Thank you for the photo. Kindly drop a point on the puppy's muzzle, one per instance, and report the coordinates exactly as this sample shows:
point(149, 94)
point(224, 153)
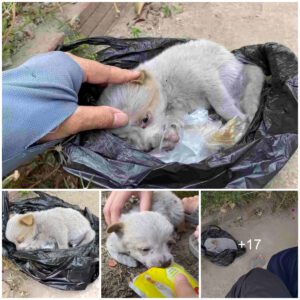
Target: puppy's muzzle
point(166, 263)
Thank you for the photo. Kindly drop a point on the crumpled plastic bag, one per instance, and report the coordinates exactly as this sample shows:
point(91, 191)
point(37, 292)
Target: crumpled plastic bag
point(219, 246)
point(269, 142)
point(68, 269)
point(200, 137)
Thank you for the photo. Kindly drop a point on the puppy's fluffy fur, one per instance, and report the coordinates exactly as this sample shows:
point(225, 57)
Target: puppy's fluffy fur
point(54, 228)
point(197, 74)
point(145, 237)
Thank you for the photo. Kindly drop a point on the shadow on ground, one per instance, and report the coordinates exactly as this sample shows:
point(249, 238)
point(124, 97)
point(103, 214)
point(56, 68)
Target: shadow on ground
point(269, 216)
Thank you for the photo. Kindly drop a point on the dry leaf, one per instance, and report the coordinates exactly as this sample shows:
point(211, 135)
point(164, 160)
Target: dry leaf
point(138, 7)
point(223, 210)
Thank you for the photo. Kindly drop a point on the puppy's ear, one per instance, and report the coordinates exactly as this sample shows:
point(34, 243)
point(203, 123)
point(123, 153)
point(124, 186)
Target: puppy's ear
point(117, 228)
point(142, 78)
point(27, 220)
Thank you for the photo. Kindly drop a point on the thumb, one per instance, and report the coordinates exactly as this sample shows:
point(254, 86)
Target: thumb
point(88, 118)
point(99, 117)
point(183, 289)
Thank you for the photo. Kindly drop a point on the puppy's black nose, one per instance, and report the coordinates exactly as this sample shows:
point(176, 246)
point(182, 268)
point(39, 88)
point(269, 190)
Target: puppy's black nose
point(166, 263)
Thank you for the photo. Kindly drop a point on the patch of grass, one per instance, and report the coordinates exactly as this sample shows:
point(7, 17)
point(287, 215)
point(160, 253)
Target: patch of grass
point(45, 171)
point(176, 9)
point(85, 51)
point(24, 193)
point(169, 11)
point(284, 200)
point(135, 31)
point(212, 201)
point(166, 10)
point(18, 23)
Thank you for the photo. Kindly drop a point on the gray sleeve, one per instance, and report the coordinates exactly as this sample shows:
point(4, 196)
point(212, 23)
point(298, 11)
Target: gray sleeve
point(37, 97)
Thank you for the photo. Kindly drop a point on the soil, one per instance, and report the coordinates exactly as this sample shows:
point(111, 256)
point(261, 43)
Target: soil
point(115, 280)
point(233, 25)
point(262, 219)
point(16, 284)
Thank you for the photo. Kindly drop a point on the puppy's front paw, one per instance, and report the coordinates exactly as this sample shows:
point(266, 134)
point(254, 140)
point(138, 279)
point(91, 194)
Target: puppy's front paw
point(171, 138)
point(128, 261)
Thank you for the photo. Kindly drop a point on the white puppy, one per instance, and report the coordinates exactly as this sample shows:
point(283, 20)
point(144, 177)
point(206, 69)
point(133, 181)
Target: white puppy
point(54, 228)
point(145, 237)
point(197, 74)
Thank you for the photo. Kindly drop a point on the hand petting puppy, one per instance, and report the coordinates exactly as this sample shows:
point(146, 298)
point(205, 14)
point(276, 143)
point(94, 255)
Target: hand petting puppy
point(117, 199)
point(89, 117)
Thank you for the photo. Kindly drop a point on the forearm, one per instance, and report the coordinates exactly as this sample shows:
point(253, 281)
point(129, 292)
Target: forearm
point(37, 97)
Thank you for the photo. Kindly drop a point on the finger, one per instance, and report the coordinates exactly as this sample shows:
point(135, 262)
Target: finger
point(145, 200)
point(88, 118)
point(98, 117)
point(107, 208)
point(183, 289)
point(117, 75)
point(97, 73)
point(118, 204)
point(196, 233)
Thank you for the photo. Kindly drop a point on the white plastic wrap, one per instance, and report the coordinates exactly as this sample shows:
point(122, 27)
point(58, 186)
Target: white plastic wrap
point(201, 137)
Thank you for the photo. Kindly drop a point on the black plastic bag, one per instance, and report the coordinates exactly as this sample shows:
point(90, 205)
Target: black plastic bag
point(225, 257)
point(270, 141)
point(70, 269)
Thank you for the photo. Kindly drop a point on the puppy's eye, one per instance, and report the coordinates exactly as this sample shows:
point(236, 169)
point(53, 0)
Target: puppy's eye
point(145, 250)
point(144, 122)
point(170, 243)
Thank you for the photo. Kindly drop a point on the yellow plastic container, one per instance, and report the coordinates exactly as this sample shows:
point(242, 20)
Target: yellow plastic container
point(159, 282)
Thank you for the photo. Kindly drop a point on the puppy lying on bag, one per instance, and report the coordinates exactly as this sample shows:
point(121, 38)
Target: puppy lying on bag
point(59, 227)
point(183, 78)
point(145, 237)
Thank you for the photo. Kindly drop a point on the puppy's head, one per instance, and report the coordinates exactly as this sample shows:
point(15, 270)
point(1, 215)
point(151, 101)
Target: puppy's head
point(146, 236)
point(142, 101)
point(21, 230)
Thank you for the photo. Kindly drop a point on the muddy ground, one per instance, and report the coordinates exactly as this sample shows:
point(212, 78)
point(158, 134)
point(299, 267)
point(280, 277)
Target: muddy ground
point(115, 280)
point(16, 284)
point(267, 217)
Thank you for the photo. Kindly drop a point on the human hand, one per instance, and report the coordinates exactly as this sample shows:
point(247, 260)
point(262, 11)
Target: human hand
point(94, 117)
point(196, 233)
point(183, 289)
point(190, 204)
point(117, 199)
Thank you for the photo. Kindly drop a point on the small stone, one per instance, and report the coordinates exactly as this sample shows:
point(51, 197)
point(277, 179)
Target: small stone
point(29, 30)
point(232, 205)
point(75, 21)
point(112, 263)
point(223, 210)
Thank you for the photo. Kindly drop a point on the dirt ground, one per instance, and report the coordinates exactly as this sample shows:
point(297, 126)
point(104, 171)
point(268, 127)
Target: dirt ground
point(262, 219)
point(16, 284)
point(115, 280)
